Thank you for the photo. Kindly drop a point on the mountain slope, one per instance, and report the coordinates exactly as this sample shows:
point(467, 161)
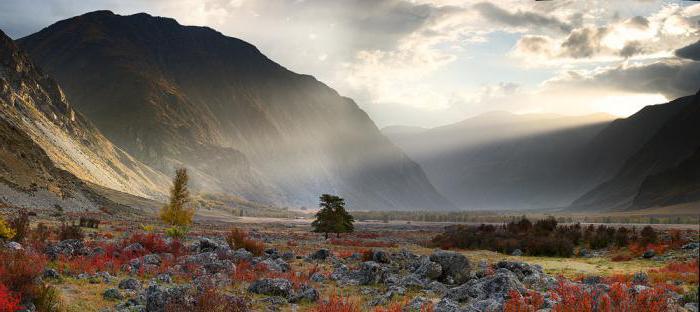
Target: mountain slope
point(500, 160)
point(175, 95)
point(47, 148)
point(675, 140)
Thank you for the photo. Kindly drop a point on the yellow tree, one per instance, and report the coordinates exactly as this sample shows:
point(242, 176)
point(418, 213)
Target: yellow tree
point(176, 211)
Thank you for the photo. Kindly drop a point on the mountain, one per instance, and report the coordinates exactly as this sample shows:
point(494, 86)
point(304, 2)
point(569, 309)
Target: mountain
point(501, 160)
point(173, 95)
point(660, 171)
point(51, 156)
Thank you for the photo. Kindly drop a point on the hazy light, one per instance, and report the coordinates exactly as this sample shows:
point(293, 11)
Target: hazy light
point(626, 105)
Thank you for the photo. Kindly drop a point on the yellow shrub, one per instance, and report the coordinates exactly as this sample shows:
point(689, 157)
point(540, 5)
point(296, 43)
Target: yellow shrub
point(6, 232)
point(147, 228)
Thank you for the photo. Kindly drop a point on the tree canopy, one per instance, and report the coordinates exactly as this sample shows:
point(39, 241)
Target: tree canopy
point(176, 212)
point(332, 217)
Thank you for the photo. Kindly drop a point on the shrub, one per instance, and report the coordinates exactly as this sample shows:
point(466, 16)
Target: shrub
point(648, 235)
point(237, 238)
point(337, 304)
point(89, 222)
point(9, 302)
point(210, 300)
point(147, 227)
point(21, 226)
point(19, 271)
point(519, 303)
point(48, 298)
point(70, 232)
point(6, 232)
point(176, 231)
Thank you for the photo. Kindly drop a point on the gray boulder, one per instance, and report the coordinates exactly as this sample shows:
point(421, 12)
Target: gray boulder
point(51, 274)
point(151, 259)
point(380, 256)
point(649, 254)
point(242, 255)
point(306, 293)
point(159, 298)
point(321, 254)
point(112, 294)
point(130, 283)
point(13, 246)
point(427, 269)
point(417, 304)
point(135, 247)
point(277, 265)
point(455, 266)
point(447, 305)
point(495, 286)
point(517, 253)
point(272, 287)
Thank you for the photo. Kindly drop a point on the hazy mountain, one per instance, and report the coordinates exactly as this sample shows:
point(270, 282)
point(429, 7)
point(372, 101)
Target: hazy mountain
point(174, 95)
point(501, 160)
point(46, 147)
point(658, 171)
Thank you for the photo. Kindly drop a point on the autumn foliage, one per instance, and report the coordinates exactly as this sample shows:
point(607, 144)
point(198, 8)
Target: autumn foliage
point(237, 238)
point(336, 303)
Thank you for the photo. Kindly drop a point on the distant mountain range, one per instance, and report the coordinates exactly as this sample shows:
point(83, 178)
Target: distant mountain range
point(172, 95)
point(504, 161)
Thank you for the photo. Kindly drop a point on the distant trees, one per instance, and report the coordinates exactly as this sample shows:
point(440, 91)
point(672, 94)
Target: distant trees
point(176, 212)
point(332, 217)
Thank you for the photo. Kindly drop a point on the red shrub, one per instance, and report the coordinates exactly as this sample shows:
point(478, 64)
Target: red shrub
point(676, 271)
point(517, 303)
point(337, 304)
point(572, 298)
point(344, 253)
point(621, 258)
point(237, 238)
point(247, 272)
point(151, 241)
point(9, 302)
point(19, 269)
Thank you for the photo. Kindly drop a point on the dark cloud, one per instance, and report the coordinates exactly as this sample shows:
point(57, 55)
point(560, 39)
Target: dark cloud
point(520, 18)
point(530, 44)
point(632, 48)
point(584, 42)
point(672, 78)
point(691, 52)
point(639, 22)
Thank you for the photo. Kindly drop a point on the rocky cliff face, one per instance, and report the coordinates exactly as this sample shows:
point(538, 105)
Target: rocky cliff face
point(45, 144)
point(174, 95)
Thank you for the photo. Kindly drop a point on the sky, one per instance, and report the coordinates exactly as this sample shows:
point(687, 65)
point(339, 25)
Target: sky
point(433, 62)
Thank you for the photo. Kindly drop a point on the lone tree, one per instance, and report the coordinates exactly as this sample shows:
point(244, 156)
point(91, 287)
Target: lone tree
point(175, 212)
point(332, 218)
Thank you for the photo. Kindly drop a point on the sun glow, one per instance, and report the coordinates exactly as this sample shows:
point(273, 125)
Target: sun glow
point(628, 104)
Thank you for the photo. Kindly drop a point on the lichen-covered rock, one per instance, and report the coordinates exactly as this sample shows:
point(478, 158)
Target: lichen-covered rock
point(495, 286)
point(130, 283)
point(51, 274)
point(152, 259)
point(13, 246)
point(317, 277)
point(135, 247)
point(158, 298)
point(455, 266)
point(272, 287)
point(112, 294)
point(447, 305)
point(242, 255)
point(69, 247)
point(277, 265)
point(417, 304)
point(306, 293)
point(427, 269)
point(380, 256)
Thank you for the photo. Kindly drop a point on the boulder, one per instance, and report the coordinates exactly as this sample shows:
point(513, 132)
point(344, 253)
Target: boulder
point(495, 286)
point(455, 266)
point(130, 283)
point(158, 298)
point(321, 254)
point(242, 255)
point(317, 277)
point(517, 253)
point(417, 304)
point(306, 293)
point(135, 247)
point(112, 294)
point(51, 274)
point(277, 265)
point(380, 256)
point(427, 269)
point(69, 247)
point(152, 259)
point(13, 246)
point(272, 287)
point(640, 278)
point(447, 305)
point(649, 254)
point(164, 278)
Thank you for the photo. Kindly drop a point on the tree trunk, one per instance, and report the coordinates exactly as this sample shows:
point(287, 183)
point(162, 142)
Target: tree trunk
point(326, 235)
point(337, 235)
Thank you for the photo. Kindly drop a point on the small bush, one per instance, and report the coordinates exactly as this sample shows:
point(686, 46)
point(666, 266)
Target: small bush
point(21, 226)
point(19, 270)
point(89, 223)
point(210, 300)
point(48, 298)
point(9, 302)
point(6, 232)
point(176, 231)
point(237, 238)
point(70, 232)
point(337, 304)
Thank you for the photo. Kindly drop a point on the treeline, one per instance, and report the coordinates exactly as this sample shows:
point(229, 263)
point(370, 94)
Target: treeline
point(542, 238)
point(508, 216)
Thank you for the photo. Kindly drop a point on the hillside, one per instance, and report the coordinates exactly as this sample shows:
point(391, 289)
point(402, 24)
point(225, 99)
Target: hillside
point(173, 95)
point(48, 149)
point(500, 160)
point(666, 157)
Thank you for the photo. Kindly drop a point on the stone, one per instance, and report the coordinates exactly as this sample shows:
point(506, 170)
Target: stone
point(495, 286)
point(51, 274)
point(68, 247)
point(152, 259)
point(517, 253)
point(277, 265)
point(306, 293)
point(691, 306)
point(130, 283)
point(321, 254)
point(380, 256)
point(317, 277)
point(691, 246)
point(112, 294)
point(242, 255)
point(417, 304)
point(164, 278)
point(447, 305)
point(271, 287)
point(13, 246)
point(288, 256)
point(157, 297)
point(640, 278)
point(135, 247)
point(649, 254)
point(437, 287)
point(455, 266)
point(427, 269)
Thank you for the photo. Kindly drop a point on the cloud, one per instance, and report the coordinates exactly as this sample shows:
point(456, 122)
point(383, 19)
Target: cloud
point(673, 78)
point(521, 18)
